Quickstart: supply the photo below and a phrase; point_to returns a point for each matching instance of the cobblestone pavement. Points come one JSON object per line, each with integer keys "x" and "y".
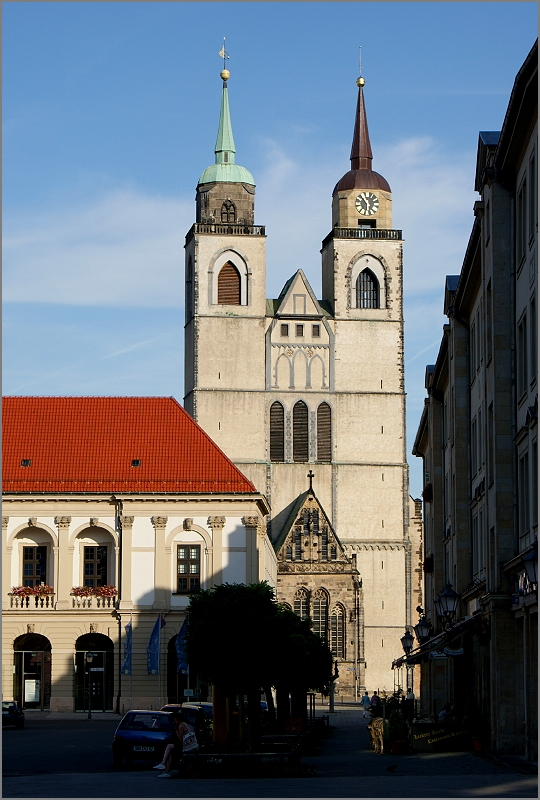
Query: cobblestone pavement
{"x": 346, "y": 767}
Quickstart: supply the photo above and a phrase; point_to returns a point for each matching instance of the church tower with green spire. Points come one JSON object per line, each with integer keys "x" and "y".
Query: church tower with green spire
{"x": 297, "y": 384}
{"x": 225, "y": 296}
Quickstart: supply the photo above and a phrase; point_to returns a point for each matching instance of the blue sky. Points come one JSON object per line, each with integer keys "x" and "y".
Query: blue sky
{"x": 110, "y": 113}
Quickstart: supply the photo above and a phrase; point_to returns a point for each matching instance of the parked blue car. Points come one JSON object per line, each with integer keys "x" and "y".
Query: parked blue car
{"x": 12, "y": 714}
{"x": 142, "y": 735}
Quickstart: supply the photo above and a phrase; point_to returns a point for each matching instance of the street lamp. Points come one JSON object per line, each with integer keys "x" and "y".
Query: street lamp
{"x": 89, "y": 659}
{"x": 530, "y": 562}
{"x": 407, "y": 642}
{"x": 447, "y": 603}
{"x": 422, "y": 629}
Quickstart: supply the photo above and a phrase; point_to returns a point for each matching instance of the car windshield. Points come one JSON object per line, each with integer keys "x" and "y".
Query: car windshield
{"x": 146, "y": 722}
{"x": 6, "y": 706}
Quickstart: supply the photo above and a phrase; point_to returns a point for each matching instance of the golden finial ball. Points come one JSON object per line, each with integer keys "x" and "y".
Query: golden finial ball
{"x": 360, "y": 82}
{"x": 225, "y": 74}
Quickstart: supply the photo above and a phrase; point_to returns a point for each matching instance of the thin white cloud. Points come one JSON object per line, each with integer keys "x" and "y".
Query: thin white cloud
{"x": 124, "y": 249}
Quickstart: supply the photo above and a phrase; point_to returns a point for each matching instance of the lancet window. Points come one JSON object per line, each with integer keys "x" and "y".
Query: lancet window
{"x": 301, "y": 603}
{"x": 229, "y": 285}
{"x": 367, "y": 290}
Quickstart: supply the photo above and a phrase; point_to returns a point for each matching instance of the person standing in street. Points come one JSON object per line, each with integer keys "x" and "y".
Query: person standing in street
{"x": 366, "y": 702}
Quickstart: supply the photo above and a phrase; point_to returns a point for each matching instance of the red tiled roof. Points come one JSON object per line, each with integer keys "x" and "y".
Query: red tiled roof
{"x": 87, "y": 444}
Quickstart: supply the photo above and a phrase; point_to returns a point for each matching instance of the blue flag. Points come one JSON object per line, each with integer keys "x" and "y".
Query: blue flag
{"x": 180, "y": 644}
{"x": 154, "y": 647}
{"x": 128, "y": 649}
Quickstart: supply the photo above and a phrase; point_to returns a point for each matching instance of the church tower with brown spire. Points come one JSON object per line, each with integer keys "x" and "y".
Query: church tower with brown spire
{"x": 296, "y": 384}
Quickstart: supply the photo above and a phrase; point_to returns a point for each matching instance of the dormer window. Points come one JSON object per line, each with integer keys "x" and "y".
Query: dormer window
{"x": 225, "y": 158}
{"x": 300, "y": 331}
{"x": 284, "y": 330}
{"x": 316, "y": 331}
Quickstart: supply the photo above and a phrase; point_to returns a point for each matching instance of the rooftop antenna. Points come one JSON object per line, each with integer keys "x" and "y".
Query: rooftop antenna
{"x": 225, "y": 74}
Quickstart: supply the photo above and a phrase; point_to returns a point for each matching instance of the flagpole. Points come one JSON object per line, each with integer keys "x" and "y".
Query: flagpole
{"x": 131, "y": 670}
{"x": 159, "y": 664}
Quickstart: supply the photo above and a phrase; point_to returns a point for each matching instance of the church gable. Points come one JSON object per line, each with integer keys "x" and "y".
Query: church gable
{"x": 308, "y": 537}
{"x": 298, "y": 298}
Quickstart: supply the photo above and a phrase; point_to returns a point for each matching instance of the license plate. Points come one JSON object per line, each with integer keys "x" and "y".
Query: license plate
{"x": 140, "y": 749}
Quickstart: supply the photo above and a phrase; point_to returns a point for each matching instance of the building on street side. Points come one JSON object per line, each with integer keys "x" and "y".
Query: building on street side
{"x": 478, "y": 441}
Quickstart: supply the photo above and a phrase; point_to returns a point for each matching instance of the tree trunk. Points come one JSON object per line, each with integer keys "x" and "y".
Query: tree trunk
{"x": 220, "y": 714}
{"x": 254, "y": 712}
{"x": 271, "y": 707}
{"x": 283, "y": 705}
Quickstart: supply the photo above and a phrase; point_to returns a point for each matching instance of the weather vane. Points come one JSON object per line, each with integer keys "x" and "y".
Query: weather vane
{"x": 223, "y": 53}
{"x": 360, "y": 80}
{"x": 225, "y": 74}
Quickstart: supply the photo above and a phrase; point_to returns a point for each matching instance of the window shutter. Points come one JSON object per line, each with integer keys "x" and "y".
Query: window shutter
{"x": 324, "y": 433}
{"x": 367, "y": 290}
{"x": 300, "y": 432}
{"x": 229, "y": 285}
{"x": 277, "y": 432}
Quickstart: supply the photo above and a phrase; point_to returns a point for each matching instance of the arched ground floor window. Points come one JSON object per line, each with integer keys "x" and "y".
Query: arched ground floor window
{"x": 32, "y": 671}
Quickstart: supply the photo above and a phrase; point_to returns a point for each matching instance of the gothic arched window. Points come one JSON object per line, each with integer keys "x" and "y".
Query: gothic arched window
{"x": 228, "y": 212}
{"x": 301, "y": 603}
{"x": 300, "y": 432}
{"x": 320, "y": 613}
{"x": 229, "y": 285}
{"x": 324, "y": 433}
{"x": 367, "y": 290}
{"x": 337, "y": 632}
{"x": 277, "y": 432}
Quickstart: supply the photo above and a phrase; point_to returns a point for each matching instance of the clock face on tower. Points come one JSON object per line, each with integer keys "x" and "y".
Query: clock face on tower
{"x": 367, "y": 203}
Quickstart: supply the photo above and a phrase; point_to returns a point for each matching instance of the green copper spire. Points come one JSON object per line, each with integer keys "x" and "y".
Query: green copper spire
{"x": 225, "y": 170}
{"x": 225, "y": 148}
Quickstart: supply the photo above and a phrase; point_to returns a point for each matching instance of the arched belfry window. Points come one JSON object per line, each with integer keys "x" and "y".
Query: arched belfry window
{"x": 320, "y": 613}
{"x": 229, "y": 285}
{"x": 367, "y": 290}
{"x": 337, "y": 632}
{"x": 300, "y": 432}
{"x": 228, "y": 212}
{"x": 277, "y": 432}
{"x": 301, "y": 603}
{"x": 324, "y": 433}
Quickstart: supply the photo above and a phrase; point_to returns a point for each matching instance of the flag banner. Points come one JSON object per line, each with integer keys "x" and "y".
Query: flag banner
{"x": 154, "y": 647}
{"x": 128, "y": 648}
{"x": 180, "y": 644}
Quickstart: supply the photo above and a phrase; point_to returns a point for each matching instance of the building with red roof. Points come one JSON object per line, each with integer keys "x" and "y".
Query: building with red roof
{"x": 115, "y": 509}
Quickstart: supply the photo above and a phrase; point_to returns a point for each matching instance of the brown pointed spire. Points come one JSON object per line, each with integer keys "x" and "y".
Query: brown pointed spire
{"x": 361, "y": 155}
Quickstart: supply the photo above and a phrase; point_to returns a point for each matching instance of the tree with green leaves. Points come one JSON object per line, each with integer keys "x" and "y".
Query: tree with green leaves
{"x": 242, "y": 641}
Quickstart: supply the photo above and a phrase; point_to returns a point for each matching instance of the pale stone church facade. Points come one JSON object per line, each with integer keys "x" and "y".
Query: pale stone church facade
{"x": 298, "y": 383}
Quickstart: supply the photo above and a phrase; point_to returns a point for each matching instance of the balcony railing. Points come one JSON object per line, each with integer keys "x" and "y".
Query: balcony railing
{"x": 32, "y": 602}
{"x": 225, "y": 229}
{"x": 362, "y": 233}
{"x": 93, "y": 602}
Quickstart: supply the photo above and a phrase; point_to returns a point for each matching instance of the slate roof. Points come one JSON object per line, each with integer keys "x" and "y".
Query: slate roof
{"x": 87, "y": 444}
